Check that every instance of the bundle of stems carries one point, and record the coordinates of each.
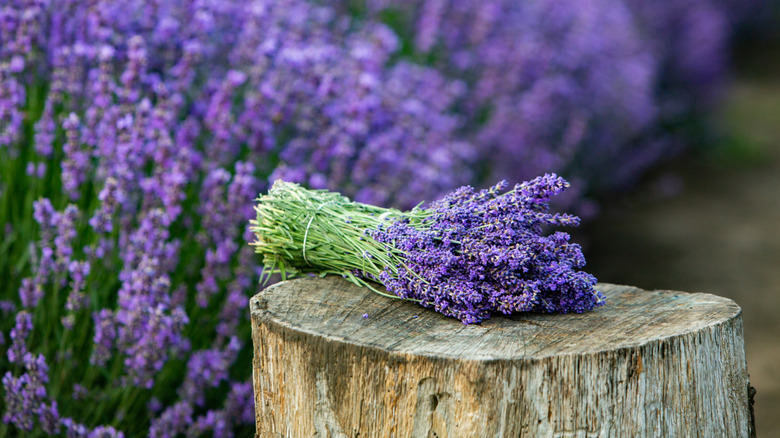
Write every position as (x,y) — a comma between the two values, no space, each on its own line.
(300,230)
(467,255)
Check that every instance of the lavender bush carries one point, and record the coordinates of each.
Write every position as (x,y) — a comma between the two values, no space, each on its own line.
(597,90)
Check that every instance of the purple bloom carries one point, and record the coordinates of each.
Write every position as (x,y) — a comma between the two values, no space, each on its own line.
(44,214)
(585,88)
(25,395)
(77,299)
(49,417)
(224,205)
(208,368)
(30,293)
(232,310)
(147,336)
(37,170)
(214,209)
(19,333)
(213,420)
(38,371)
(690,40)
(240,402)
(74,429)
(12,97)
(65,225)
(154,406)
(104,338)
(148,329)
(7,307)
(79,392)
(77,159)
(173,421)
(19,406)
(110,197)
(44,132)
(482,252)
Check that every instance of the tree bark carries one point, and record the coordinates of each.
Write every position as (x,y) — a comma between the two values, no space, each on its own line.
(335,360)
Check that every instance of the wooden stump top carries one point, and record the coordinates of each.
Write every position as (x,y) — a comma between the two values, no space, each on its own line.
(337,310)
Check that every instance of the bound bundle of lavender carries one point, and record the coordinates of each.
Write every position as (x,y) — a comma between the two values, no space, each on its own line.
(467,255)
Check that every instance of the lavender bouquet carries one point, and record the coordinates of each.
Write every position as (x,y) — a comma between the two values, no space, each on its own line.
(467,255)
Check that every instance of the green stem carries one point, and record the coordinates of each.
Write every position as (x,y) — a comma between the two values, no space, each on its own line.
(301,230)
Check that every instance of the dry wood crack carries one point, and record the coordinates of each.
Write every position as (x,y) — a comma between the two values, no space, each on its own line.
(650,363)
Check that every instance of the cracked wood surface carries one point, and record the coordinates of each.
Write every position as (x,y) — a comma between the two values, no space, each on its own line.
(649,363)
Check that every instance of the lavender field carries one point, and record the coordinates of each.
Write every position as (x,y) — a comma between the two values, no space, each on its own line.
(135,135)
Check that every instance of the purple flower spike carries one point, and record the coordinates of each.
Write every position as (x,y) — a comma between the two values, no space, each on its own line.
(74,429)
(19,334)
(49,417)
(173,421)
(104,338)
(484,252)
(30,293)
(25,395)
(19,406)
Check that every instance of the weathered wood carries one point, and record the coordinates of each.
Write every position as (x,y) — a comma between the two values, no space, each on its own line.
(647,364)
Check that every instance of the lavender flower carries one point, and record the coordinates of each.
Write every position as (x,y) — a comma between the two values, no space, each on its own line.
(104,338)
(76,163)
(49,417)
(19,334)
(147,336)
(25,394)
(214,421)
(44,214)
(208,368)
(7,307)
(485,252)
(18,402)
(240,402)
(468,255)
(30,293)
(66,233)
(110,198)
(74,429)
(77,300)
(79,392)
(12,96)
(173,421)
(237,405)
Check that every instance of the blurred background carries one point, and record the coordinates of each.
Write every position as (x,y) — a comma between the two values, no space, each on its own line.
(709,221)
(134,136)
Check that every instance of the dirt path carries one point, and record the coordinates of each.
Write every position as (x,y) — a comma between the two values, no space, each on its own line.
(720,233)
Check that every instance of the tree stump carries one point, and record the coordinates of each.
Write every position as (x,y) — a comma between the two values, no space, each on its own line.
(335,360)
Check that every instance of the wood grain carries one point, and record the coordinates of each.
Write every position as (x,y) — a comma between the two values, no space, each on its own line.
(649,363)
